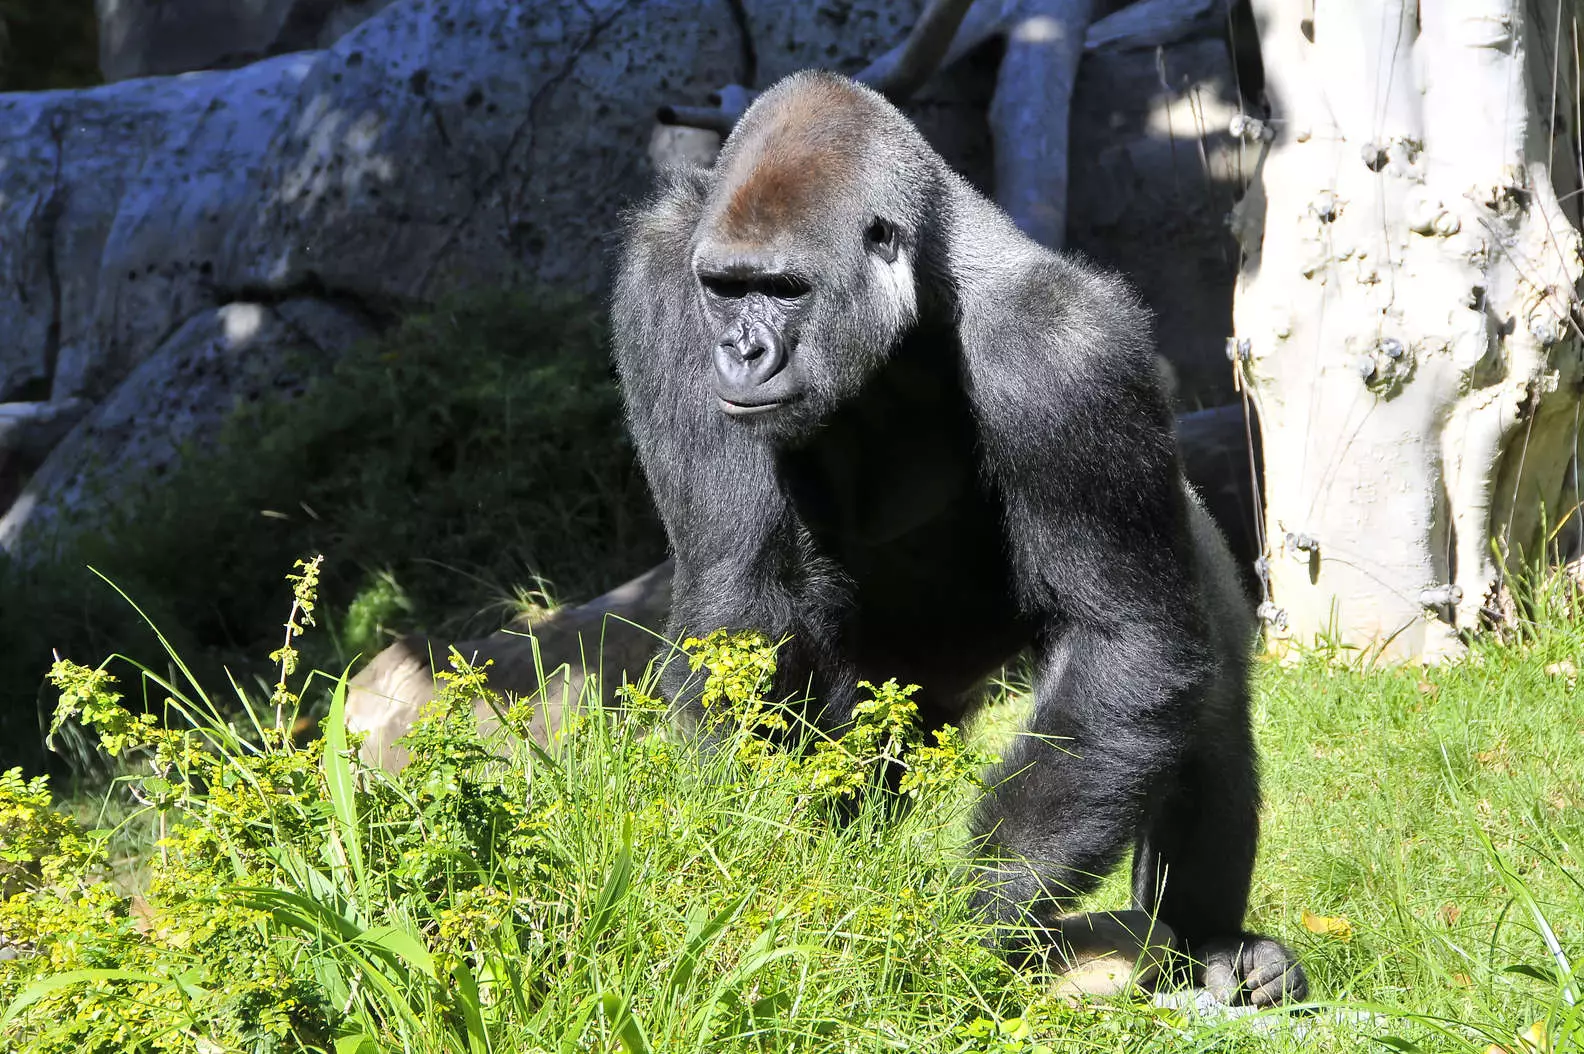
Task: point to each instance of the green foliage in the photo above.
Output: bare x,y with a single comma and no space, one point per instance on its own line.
493,895
48,44
627,887
466,449
883,736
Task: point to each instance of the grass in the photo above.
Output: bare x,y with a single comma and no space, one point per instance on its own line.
616,891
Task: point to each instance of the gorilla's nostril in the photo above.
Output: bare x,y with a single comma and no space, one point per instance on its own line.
763,343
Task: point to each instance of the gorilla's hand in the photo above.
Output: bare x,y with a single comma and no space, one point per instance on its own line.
1251,969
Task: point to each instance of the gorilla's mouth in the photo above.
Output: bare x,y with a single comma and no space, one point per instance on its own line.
736,409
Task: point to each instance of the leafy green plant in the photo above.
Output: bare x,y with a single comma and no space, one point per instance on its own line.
297,899
623,886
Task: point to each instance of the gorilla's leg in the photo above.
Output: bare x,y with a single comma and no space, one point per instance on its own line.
1193,864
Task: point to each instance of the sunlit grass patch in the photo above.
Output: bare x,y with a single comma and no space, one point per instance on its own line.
620,889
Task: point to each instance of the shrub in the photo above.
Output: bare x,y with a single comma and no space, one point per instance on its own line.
605,890
468,449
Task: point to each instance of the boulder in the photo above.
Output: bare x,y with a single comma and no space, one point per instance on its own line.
1103,954
555,662
442,143
176,398
143,38
1155,171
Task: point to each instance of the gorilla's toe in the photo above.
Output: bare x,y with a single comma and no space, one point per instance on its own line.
1252,969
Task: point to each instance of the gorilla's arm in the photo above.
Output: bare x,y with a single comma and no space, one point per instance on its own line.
1076,435
741,560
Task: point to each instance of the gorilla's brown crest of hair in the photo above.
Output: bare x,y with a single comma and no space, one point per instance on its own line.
803,156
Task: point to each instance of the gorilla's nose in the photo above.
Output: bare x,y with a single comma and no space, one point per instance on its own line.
749,355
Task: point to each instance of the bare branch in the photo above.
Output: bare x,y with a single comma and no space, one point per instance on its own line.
944,33
903,70
1153,23
731,102
709,118
950,29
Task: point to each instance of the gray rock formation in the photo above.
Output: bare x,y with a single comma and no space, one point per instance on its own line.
142,38
446,143
1155,173
442,143
178,396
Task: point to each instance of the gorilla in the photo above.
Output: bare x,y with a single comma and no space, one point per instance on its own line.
880,422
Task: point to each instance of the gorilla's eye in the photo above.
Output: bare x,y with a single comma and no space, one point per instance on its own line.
882,238
724,287
734,286
787,286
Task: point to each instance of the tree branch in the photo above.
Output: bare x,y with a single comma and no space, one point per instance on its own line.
950,29
903,70
945,32
1030,111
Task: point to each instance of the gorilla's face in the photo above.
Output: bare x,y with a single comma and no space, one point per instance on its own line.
802,320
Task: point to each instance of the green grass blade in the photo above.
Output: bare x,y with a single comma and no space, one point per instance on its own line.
472,1007
54,983
358,1044
617,883
687,962
343,788
402,944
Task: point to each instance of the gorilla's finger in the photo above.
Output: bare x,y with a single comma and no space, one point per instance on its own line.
1221,976
1270,974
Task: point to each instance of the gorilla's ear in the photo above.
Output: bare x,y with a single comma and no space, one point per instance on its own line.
882,239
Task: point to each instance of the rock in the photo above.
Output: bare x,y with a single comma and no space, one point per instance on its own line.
609,637
1111,953
32,429
386,694
445,144
1155,172
29,431
142,38
441,143
180,395
677,146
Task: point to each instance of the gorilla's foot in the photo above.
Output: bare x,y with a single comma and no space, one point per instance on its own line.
1251,969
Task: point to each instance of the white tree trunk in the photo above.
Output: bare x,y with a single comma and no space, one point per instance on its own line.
1405,312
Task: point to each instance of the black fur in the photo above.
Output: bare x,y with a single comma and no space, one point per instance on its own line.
977,457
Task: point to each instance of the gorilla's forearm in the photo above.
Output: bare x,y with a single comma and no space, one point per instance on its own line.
1109,727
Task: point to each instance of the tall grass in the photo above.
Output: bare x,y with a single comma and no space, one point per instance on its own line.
617,889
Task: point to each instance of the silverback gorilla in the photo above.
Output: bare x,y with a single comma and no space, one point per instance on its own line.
879,421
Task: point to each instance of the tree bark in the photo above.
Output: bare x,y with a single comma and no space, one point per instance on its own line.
1405,309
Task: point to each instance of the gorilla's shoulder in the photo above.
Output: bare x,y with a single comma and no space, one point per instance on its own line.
1066,309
